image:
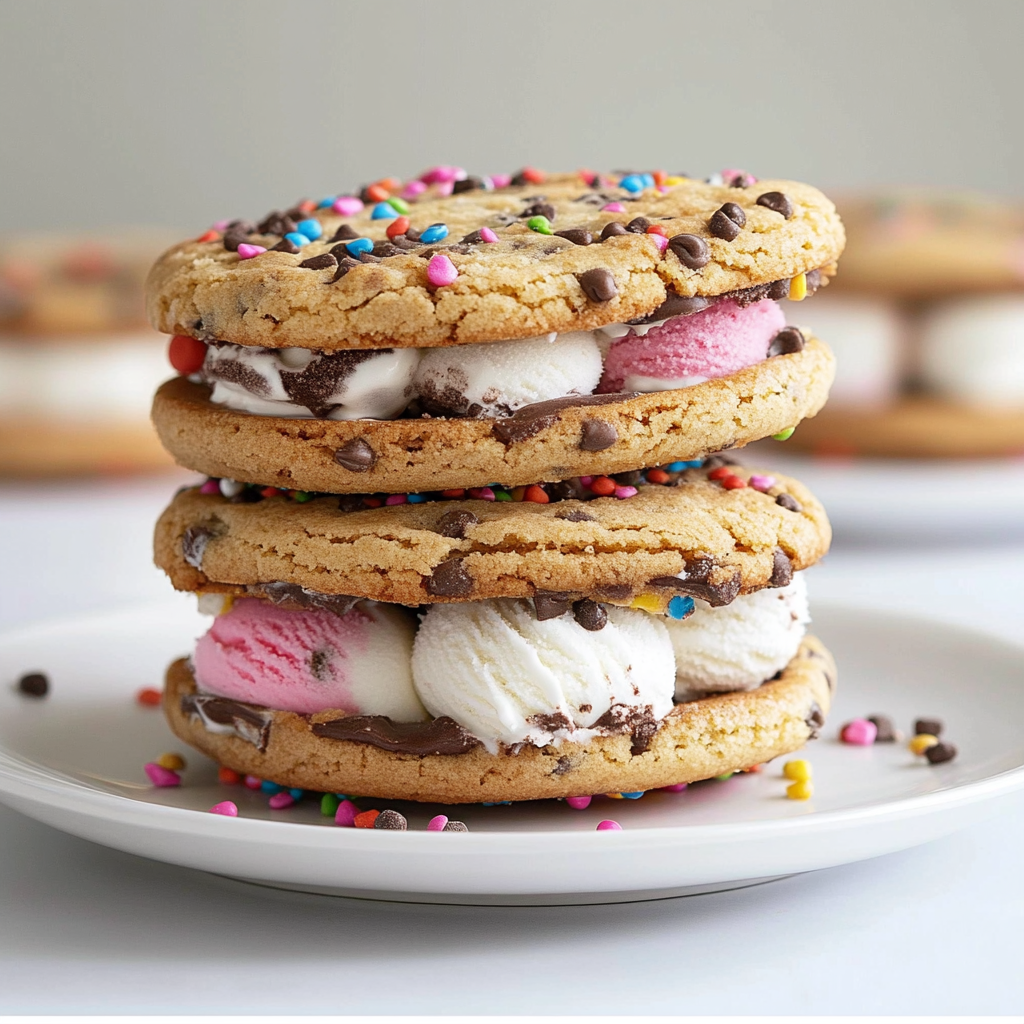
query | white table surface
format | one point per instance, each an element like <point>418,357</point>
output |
<point>83,929</point>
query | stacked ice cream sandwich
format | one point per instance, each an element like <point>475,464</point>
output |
<point>468,533</point>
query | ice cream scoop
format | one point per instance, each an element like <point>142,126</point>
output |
<point>497,378</point>
<point>301,383</point>
<point>312,660</point>
<point>973,350</point>
<point>508,677</point>
<point>740,645</point>
<point>691,349</point>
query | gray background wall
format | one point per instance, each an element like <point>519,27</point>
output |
<point>185,111</point>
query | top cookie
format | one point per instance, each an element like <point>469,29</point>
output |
<point>549,253</point>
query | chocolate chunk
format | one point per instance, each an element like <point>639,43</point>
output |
<point>553,722</point>
<point>788,340</point>
<point>716,460</point>
<point>813,279</point>
<point>940,753</point>
<point>778,290</point>
<point>218,715</point>
<point>676,305</point>
<point>886,729</point>
<point>566,490</point>
<point>716,594</point>
<point>456,826</point>
<point>693,252</point>
<point>928,726</point>
<point>34,684</point>
<point>468,184</point>
<point>387,248</point>
<point>613,228</point>
<point>566,764</point>
<point>391,820</point>
<point>727,221</point>
<point>590,615</point>
<point>597,435</point>
<point>368,257</point>
<point>699,568</point>
<point>454,523</point>
<point>345,264</point>
<point>778,202</point>
<point>285,245</point>
<point>578,236</point>
<point>193,545</point>
<point>550,604</point>
<point>789,502</point>
<point>815,720</point>
<point>782,569</point>
<point>598,284</point>
<point>233,238</point>
<point>630,478</point>
<point>531,419</point>
<point>670,582</point>
<point>639,722</point>
<point>616,591</point>
<point>575,515</point>
<point>638,225</point>
<point>322,379</point>
<point>321,262</point>
<point>345,233</point>
<point>276,223</point>
<point>355,455</point>
<point>539,210</point>
<point>440,736</point>
<point>473,238</point>
<point>291,595</point>
<point>450,579</point>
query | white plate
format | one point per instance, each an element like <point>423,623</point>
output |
<point>74,761</point>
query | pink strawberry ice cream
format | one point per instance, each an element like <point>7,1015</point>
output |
<point>312,660</point>
<point>691,349</point>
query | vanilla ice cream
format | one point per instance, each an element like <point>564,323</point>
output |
<point>740,645</point>
<point>312,660</point>
<point>507,677</point>
<point>497,378</point>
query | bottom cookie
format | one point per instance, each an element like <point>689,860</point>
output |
<point>438,761</point>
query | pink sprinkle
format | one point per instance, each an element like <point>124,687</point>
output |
<point>663,189</point>
<point>247,251</point>
<point>445,188</point>
<point>221,225</point>
<point>395,499</point>
<point>624,492</point>
<point>677,788</point>
<point>608,826</point>
<point>210,487</point>
<point>860,732</point>
<point>761,483</point>
<point>481,493</point>
<point>347,206</point>
<point>251,782</point>
<point>441,271</point>
<point>437,823</point>
<point>346,814</point>
<point>660,241</point>
<point>586,480</point>
<point>578,803</point>
<point>225,807</point>
<point>730,173</point>
<point>413,189</point>
<point>614,208</point>
<point>161,776</point>
<point>487,235</point>
<point>279,801</point>
<point>443,174</point>
<point>500,180</point>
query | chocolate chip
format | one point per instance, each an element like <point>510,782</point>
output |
<point>727,221</point>
<point>789,502</point>
<point>813,279</point>
<point>345,264</point>
<point>368,257</point>
<point>598,284</point>
<point>470,184</point>
<point>693,252</point>
<point>590,615</point>
<point>613,228</point>
<point>549,605</point>
<point>450,579</point>
<point>285,245</point>
<point>343,234</point>
<point>388,248</point>
<point>886,729</point>
<point>473,238</point>
<point>405,244</point>
<point>638,225</point>
<point>539,210</point>
<point>787,341</point>
<point>391,820</point>
<point>321,262</point>
<point>928,726</point>
<point>714,461</point>
<point>454,523</point>
<point>815,720</point>
<point>233,238</point>
<point>193,545</point>
<point>276,223</point>
<point>678,305</point>
<point>575,515</point>
<point>578,236</point>
<point>455,826</point>
<point>597,435</point>
<point>778,290</point>
<point>412,234</point>
<point>34,684</point>
<point>940,753</point>
<point>356,455</point>
<point>782,569</point>
<point>778,202</point>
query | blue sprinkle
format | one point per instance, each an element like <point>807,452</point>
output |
<point>632,796</point>
<point>679,607</point>
<point>325,202</point>
<point>415,499</point>
<point>383,211</point>
<point>311,228</point>
<point>434,233</point>
<point>633,183</point>
<point>359,245</point>
<point>341,796</point>
<point>497,803</point>
<point>270,787</point>
<point>678,467</point>
<point>297,239</point>
<point>648,180</point>
<point>297,794</point>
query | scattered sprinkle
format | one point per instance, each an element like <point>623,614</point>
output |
<point>487,235</point>
<point>226,807</point>
<point>680,607</point>
<point>676,787</point>
<point>358,246</point>
<point>383,211</point>
<point>346,814</point>
<point>311,228</point>
<point>921,742</point>
<point>784,435</point>
<point>252,782</point>
<point>613,208</point>
<point>540,224</point>
<point>212,486</point>
<point>398,205</point>
<point>347,206</point>
<point>175,762</point>
<point>798,771</point>
<point>434,233</point>
<point>761,483</point>
<point>441,271</point>
<point>437,823</point>
<point>800,790</point>
<point>149,697</point>
<point>247,251</point>
<point>861,732</point>
<point>578,803</point>
<point>329,805</point>
<point>279,801</point>
<point>608,826</point>
<point>160,776</point>
<point>228,776</point>
<point>365,819</point>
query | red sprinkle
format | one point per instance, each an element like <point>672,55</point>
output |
<point>734,483</point>
<point>455,492</point>
<point>720,473</point>
<point>186,354</point>
<point>372,502</point>
<point>366,819</point>
<point>399,226</point>
<point>658,476</point>
<point>536,494</point>
<point>209,236</point>
<point>378,193</point>
<point>149,697</point>
<point>270,492</point>
<point>657,229</point>
<point>307,206</point>
<point>603,485</point>
<point>228,776</point>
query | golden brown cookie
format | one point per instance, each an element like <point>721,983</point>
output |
<point>697,740</point>
<point>726,538</point>
<point>545,442</point>
<point>524,284</point>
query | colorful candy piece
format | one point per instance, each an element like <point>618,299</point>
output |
<point>613,208</point>
<point>347,206</point>
<point>173,762</point>
<point>633,796</point>
<point>760,482</point>
<point>578,803</point>
<point>270,788</point>
<point>279,801</point>
<point>297,238</point>
<point>487,235</point>
<point>539,224</point>
<point>441,271</point>
<point>603,485</point>
<point>784,435</point>
<point>247,251</point>
<point>633,183</point>
<point>383,211</point>
<point>346,814</point>
<point>252,782</point>
<point>358,246</point>
<point>397,227</point>
<point>160,776</point>
<point>399,205</point>
<point>211,486</point>
<point>148,697</point>
<point>434,233</point>
<point>861,732</point>
<point>800,790</point>
<point>680,607</point>
<point>677,787</point>
<point>437,823</point>
<point>798,771</point>
<point>920,743</point>
<point>608,825</point>
<point>365,819</point>
<point>226,807</point>
<point>329,805</point>
<point>186,354</point>
<point>228,776</point>
<point>311,228</point>
<point>798,288</point>
<point>626,491</point>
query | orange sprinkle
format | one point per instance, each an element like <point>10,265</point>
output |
<point>657,229</point>
<point>391,184</point>
<point>366,819</point>
<point>372,502</point>
<point>532,175</point>
<point>754,768</point>
<point>307,206</point>
<point>734,483</point>
<point>399,226</point>
<point>149,697</point>
<point>228,776</point>
<point>377,193</point>
<point>536,494</point>
<point>720,473</point>
<point>658,476</point>
<point>603,485</point>
<point>659,177</point>
<point>209,236</point>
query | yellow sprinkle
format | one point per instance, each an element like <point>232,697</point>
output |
<point>798,288</point>
<point>800,790</point>
<point>615,796</point>
<point>674,179</point>
<point>517,493</point>
<point>648,602</point>
<point>922,741</point>
<point>798,771</point>
<point>175,762</point>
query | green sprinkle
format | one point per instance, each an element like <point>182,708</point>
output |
<point>301,496</point>
<point>784,435</point>
<point>502,496</point>
<point>727,775</point>
<point>540,224</point>
<point>398,204</point>
<point>329,805</point>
